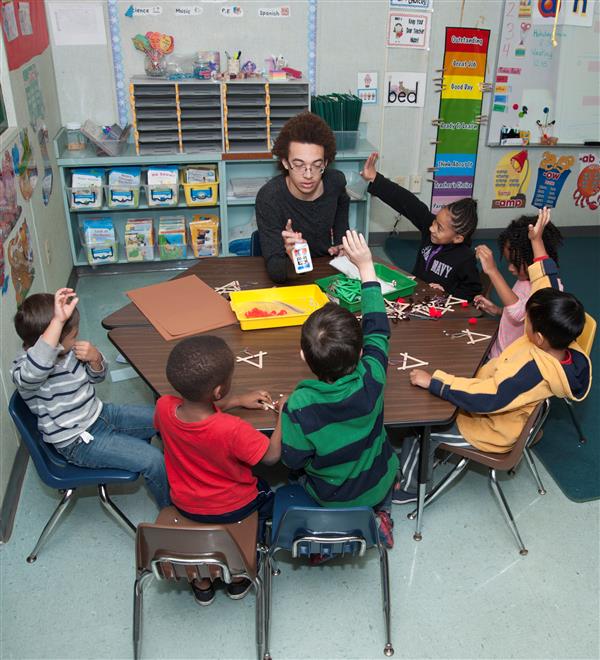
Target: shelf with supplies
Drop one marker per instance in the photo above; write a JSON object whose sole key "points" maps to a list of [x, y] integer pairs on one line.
{"points": [[228, 201]]}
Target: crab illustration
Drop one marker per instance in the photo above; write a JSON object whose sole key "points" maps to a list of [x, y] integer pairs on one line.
{"points": [[588, 188]]}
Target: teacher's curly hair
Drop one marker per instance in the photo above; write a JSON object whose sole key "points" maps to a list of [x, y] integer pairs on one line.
{"points": [[306, 128]]}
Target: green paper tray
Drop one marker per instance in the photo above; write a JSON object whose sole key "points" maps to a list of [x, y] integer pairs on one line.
{"points": [[405, 286]]}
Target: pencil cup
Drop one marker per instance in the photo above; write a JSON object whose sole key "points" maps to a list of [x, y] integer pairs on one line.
{"points": [[356, 186], [233, 66]]}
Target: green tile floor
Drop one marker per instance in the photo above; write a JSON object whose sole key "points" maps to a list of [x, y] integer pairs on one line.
{"points": [[463, 592]]}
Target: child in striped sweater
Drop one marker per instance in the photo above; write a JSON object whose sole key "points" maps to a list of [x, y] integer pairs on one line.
{"points": [[56, 375], [333, 427]]}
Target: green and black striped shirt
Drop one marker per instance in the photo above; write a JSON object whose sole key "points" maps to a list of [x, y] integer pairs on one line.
{"points": [[335, 430]]}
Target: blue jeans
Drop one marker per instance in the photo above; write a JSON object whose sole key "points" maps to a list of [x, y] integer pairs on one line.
{"points": [[121, 441]]}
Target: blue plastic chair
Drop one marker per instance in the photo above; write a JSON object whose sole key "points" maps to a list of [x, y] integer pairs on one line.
{"points": [[255, 249], [302, 527], [58, 473]]}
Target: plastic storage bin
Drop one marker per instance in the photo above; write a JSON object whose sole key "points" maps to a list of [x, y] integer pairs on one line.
{"points": [[99, 241], [162, 194], [298, 302], [123, 197], [172, 237], [405, 286], [204, 235], [201, 193], [139, 239], [85, 198]]}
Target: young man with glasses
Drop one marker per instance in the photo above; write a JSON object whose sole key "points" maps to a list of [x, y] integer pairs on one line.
{"points": [[307, 202]]}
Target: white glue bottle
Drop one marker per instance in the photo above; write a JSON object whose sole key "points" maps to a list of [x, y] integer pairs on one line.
{"points": [[301, 257]]}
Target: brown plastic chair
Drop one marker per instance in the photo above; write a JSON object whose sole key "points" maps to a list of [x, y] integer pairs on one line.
{"points": [[505, 462], [176, 548]]}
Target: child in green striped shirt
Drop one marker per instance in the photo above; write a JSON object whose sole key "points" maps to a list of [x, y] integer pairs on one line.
{"points": [[333, 427]]}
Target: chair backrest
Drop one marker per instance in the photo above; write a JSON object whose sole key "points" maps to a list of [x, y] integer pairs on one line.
{"points": [[586, 338], [46, 459], [316, 530], [508, 460], [255, 249], [175, 547]]}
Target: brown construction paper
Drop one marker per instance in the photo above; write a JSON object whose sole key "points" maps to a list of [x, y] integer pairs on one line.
{"points": [[182, 307]]}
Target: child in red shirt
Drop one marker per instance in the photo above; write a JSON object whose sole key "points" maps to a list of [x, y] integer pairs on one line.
{"points": [[209, 454]]}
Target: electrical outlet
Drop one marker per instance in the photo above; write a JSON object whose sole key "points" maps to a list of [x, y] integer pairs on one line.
{"points": [[401, 181], [414, 183], [48, 252]]}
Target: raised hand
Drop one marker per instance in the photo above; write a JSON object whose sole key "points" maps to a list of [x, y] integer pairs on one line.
{"points": [[536, 231], [369, 172], [357, 250], [486, 257], [65, 301]]}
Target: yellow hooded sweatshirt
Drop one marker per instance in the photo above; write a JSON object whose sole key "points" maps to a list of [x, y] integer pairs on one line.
{"points": [[495, 405]]}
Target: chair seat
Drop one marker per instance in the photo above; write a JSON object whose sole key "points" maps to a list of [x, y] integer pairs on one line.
{"points": [[63, 475], [504, 461], [292, 495], [243, 532]]}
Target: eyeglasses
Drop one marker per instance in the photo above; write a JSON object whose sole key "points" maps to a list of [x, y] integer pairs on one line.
{"points": [[314, 169]]}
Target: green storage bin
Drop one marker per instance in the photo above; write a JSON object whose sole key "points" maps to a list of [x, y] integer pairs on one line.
{"points": [[405, 286]]}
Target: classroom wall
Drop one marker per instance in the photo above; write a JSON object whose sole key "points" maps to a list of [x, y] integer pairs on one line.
{"points": [[350, 38], [46, 226]]}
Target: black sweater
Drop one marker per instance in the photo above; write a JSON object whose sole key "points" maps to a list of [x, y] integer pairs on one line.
{"points": [[454, 267], [322, 222]]}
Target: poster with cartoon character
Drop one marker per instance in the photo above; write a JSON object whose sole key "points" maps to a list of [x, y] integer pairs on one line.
{"points": [[24, 164], [552, 174], [10, 211], [587, 192], [511, 180], [20, 257]]}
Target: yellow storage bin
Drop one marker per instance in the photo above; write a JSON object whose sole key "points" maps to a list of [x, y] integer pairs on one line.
{"points": [[200, 193], [296, 302]]}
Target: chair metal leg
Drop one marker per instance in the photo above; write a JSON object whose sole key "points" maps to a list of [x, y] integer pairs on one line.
{"points": [[506, 511], [267, 594], [582, 438], [385, 590], [113, 509], [138, 598], [441, 486], [260, 618], [54, 518], [534, 470]]}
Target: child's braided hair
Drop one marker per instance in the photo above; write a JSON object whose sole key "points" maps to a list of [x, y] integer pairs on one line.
{"points": [[464, 217], [515, 236]]}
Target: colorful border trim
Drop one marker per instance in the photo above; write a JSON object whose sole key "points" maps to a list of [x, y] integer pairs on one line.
{"points": [[117, 56], [312, 46]]}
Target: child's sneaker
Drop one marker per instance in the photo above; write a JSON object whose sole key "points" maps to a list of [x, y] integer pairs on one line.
{"points": [[400, 496], [237, 590], [385, 525], [203, 597]]}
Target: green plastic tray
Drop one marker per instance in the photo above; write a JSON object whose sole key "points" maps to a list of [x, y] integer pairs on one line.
{"points": [[405, 285]]}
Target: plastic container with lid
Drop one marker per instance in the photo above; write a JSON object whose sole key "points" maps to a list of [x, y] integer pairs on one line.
{"points": [[75, 138]]}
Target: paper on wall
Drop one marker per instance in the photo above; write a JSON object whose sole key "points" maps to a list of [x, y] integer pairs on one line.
{"points": [[77, 24]]}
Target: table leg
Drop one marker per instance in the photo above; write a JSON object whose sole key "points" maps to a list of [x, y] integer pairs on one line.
{"points": [[424, 477]]}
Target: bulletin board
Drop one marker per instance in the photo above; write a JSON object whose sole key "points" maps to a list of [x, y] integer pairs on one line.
{"points": [[541, 91]]}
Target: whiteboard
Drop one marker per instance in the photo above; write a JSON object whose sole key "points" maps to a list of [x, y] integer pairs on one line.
{"points": [[541, 90]]}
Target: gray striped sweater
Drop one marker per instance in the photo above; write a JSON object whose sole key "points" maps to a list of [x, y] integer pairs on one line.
{"points": [[59, 391]]}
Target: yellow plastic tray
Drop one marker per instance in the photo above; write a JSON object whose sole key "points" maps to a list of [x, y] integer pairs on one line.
{"points": [[305, 298]]}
